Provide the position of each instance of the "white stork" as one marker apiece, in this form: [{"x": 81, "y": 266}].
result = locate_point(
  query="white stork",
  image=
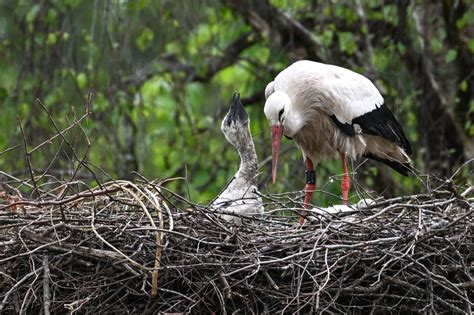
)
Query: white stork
[
  {"x": 241, "y": 195},
  {"x": 330, "y": 111}
]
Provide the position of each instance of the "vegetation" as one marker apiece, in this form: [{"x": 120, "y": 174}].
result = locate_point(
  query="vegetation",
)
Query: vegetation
[
  {"x": 98, "y": 96},
  {"x": 163, "y": 73}
]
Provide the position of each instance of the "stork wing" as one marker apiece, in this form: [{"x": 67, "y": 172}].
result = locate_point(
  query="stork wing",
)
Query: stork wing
[
  {"x": 378, "y": 122},
  {"x": 352, "y": 94},
  {"x": 381, "y": 122},
  {"x": 357, "y": 101}
]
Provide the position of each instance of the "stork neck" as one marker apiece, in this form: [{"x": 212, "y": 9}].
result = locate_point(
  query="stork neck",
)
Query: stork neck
[
  {"x": 248, "y": 162},
  {"x": 293, "y": 122}
]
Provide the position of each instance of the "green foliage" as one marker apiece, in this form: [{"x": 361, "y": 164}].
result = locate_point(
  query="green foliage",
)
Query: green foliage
[
  {"x": 347, "y": 43},
  {"x": 436, "y": 45},
  {"x": 451, "y": 55},
  {"x": 142, "y": 59},
  {"x": 145, "y": 39}
]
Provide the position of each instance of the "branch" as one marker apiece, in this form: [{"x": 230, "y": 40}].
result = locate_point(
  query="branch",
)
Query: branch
[
  {"x": 268, "y": 20},
  {"x": 28, "y": 160},
  {"x": 46, "y": 286},
  {"x": 171, "y": 63},
  {"x": 229, "y": 57}
]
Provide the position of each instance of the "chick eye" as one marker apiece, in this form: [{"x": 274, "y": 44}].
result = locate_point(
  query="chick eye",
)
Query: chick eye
[{"x": 280, "y": 113}]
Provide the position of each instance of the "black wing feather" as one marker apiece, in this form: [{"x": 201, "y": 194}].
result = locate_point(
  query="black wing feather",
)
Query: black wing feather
[
  {"x": 381, "y": 122},
  {"x": 402, "y": 168},
  {"x": 348, "y": 129}
]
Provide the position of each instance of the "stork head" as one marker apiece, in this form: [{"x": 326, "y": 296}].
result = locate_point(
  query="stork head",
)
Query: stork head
[
  {"x": 235, "y": 124},
  {"x": 277, "y": 107}
]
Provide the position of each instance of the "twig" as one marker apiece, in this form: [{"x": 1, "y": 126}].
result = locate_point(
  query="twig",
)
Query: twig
[
  {"x": 28, "y": 160},
  {"x": 225, "y": 285},
  {"x": 46, "y": 289},
  {"x": 159, "y": 241},
  {"x": 93, "y": 193},
  {"x": 53, "y": 122},
  {"x": 112, "y": 246},
  {"x": 10, "y": 149},
  {"x": 16, "y": 286},
  {"x": 420, "y": 248}
]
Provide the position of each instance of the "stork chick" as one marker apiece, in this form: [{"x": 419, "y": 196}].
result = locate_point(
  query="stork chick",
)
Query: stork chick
[
  {"x": 241, "y": 195},
  {"x": 331, "y": 111}
]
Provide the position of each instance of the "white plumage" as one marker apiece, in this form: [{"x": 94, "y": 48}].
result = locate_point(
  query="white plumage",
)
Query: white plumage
[
  {"x": 330, "y": 111},
  {"x": 241, "y": 196},
  {"x": 335, "y": 90},
  {"x": 318, "y": 91}
]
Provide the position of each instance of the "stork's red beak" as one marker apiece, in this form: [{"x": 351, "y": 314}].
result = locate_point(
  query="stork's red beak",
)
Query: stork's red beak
[{"x": 277, "y": 131}]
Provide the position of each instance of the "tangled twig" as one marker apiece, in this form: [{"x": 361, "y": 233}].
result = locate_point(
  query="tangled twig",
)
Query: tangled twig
[{"x": 125, "y": 247}]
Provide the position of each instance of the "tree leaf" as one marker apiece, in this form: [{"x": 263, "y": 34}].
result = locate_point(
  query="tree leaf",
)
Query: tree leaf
[
  {"x": 347, "y": 42},
  {"x": 451, "y": 55}
]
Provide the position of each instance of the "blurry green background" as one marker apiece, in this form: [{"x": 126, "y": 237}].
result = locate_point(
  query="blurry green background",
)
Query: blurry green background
[{"x": 163, "y": 73}]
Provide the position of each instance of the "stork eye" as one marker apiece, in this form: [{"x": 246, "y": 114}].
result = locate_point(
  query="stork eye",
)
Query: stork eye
[{"x": 280, "y": 113}]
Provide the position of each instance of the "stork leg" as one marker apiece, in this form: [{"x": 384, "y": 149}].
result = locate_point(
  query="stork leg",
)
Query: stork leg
[
  {"x": 310, "y": 186},
  {"x": 345, "y": 184}
]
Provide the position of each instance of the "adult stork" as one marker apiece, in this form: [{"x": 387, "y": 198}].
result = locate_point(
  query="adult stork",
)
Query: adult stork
[
  {"x": 241, "y": 195},
  {"x": 330, "y": 111}
]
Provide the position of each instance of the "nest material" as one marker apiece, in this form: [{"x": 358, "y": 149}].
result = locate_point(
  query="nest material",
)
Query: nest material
[{"x": 126, "y": 247}]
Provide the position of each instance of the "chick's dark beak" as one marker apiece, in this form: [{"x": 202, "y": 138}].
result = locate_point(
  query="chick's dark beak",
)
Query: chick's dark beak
[{"x": 237, "y": 111}]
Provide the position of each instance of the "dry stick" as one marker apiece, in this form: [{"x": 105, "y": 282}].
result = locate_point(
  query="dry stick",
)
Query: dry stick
[
  {"x": 328, "y": 268},
  {"x": 441, "y": 280},
  {"x": 28, "y": 160},
  {"x": 76, "y": 305},
  {"x": 225, "y": 284},
  {"x": 159, "y": 234},
  {"x": 67, "y": 142},
  {"x": 4, "y": 274},
  {"x": 25, "y": 183},
  {"x": 84, "y": 116},
  {"x": 168, "y": 211},
  {"x": 467, "y": 191},
  {"x": 417, "y": 289},
  {"x": 432, "y": 232},
  {"x": 197, "y": 240},
  {"x": 438, "y": 279},
  {"x": 60, "y": 133},
  {"x": 335, "y": 246},
  {"x": 82, "y": 161},
  {"x": 157, "y": 188},
  {"x": 159, "y": 240},
  {"x": 310, "y": 259},
  {"x": 55, "y": 157},
  {"x": 270, "y": 280},
  {"x": 92, "y": 193},
  {"x": 46, "y": 290},
  {"x": 10, "y": 149},
  {"x": 18, "y": 284},
  {"x": 94, "y": 253},
  {"x": 33, "y": 250},
  {"x": 141, "y": 267},
  {"x": 220, "y": 297}
]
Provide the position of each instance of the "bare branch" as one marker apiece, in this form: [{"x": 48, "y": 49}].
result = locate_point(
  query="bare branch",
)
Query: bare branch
[{"x": 279, "y": 27}]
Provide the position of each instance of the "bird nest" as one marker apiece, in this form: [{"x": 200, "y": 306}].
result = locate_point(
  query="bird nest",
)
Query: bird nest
[{"x": 136, "y": 247}]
